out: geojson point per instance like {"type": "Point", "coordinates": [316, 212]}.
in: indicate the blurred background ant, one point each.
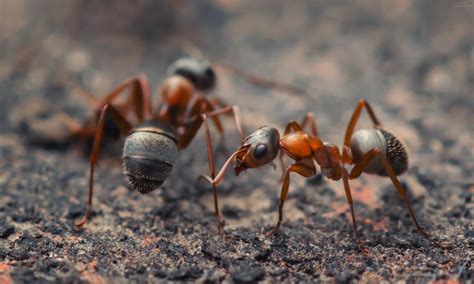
{"type": "Point", "coordinates": [155, 134]}
{"type": "Point", "coordinates": [46, 125]}
{"type": "Point", "coordinates": [373, 151]}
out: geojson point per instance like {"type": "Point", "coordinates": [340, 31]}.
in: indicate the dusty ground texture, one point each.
{"type": "Point", "coordinates": [412, 60]}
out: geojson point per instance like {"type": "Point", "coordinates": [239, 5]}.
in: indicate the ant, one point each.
{"type": "Point", "coordinates": [45, 125]}
{"type": "Point", "coordinates": [373, 151]}
{"type": "Point", "coordinates": [154, 135]}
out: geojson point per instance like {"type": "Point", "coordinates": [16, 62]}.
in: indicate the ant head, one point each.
{"type": "Point", "coordinates": [259, 148]}
{"type": "Point", "coordinates": [199, 72]}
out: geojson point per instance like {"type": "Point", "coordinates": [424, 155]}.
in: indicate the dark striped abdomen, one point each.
{"type": "Point", "coordinates": [149, 154]}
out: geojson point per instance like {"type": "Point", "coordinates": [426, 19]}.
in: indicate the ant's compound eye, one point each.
{"type": "Point", "coordinates": [260, 151]}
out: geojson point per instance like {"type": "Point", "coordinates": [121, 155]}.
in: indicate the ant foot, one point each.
{"type": "Point", "coordinates": [364, 251]}
{"type": "Point", "coordinates": [220, 227]}
{"type": "Point", "coordinates": [80, 224]}
{"type": "Point", "coordinates": [271, 233]}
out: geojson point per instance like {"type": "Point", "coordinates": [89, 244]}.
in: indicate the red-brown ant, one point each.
{"type": "Point", "coordinates": [373, 151]}
{"type": "Point", "coordinates": [154, 135]}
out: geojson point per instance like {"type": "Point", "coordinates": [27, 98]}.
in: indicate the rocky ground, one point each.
{"type": "Point", "coordinates": [412, 60]}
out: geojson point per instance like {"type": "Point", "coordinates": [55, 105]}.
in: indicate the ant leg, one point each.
{"type": "Point", "coordinates": [347, 189]}
{"type": "Point", "coordinates": [355, 117]}
{"type": "Point", "coordinates": [192, 50]}
{"type": "Point", "coordinates": [282, 164]}
{"type": "Point", "coordinates": [309, 119]}
{"type": "Point", "coordinates": [212, 168]}
{"type": "Point", "coordinates": [258, 81]}
{"type": "Point", "coordinates": [202, 105]}
{"type": "Point", "coordinates": [90, 99]}
{"type": "Point", "coordinates": [210, 156]}
{"type": "Point", "coordinates": [189, 134]}
{"type": "Point", "coordinates": [403, 194]}
{"type": "Point", "coordinates": [139, 97]}
{"type": "Point", "coordinates": [304, 167]}
{"type": "Point", "coordinates": [220, 174]}
{"type": "Point", "coordinates": [193, 125]}
{"type": "Point", "coordinates": [366, 159]}
{"type": "Point", "coordinates": [125, 127]}
{"type": "Point", "coordinates": [217, 103]}
{"type": "Point", "coordinates": [291, 126]}
{"type": "Point", "coordinates": [360, 166]}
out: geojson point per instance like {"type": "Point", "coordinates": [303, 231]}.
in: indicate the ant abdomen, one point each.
{"type": "Point", "coordinates": [149, 153]}
{"type": "Point", "coordinates": [365, 140]}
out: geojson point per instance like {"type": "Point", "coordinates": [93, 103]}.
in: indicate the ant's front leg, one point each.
{"type": "Point", "coordinates": [304, 167]}
{"type": "Point", "coordinates": [194, 120]}
{"type": "Point", "coordinates": [291, 126]}
{"type": "Point", "coordinates": [189, 133]}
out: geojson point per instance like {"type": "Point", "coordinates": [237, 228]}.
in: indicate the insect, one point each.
{"type": "Point", "coordinates": [154, 135]}
{"type": "Point", "coordinates": [373, 151]}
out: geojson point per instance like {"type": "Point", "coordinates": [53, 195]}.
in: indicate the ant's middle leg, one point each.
{"type": "Point", "coordinates": [139, 97]}
{"type": "Point", "coordinates": [125, 128]}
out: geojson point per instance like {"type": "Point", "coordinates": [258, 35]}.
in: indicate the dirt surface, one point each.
{"type": "Point", "coordinates": [412, 60]}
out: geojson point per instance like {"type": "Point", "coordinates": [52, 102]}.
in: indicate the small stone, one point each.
{"type": "Point", "coordinates": [247, 272]}
{"type": "Point", "coordinates": [6, 231]}
{"type": "Point", "coordinates": [19, 254]}
{"type": "Point", "coordinates": [345, 277]}
{"type": "Point", "coordinates": [441, 259]}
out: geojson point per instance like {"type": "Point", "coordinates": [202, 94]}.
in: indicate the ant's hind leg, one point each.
{"type": "Point", "coordinates": [365, 161]}
{"type": "Point", "coordinates": [353, 121]}
{"type": "Point", "coordinates": [403, 194]}
{"type": "Point", "coordinates": [125, 127]}
{"type": "Point", "coordinates": [139, 97]}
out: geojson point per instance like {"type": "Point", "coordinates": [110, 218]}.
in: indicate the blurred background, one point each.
{"type": "Point", "coordinates": [411, 60]}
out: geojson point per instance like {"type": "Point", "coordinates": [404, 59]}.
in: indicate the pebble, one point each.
{"type": "Point", "coordinates": [247, 272]}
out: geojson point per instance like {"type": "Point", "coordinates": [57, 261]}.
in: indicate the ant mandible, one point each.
{"type": "Point", "coordinates": [373, 151]}
{"type": "Point", "coordinates": [151, 146]}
